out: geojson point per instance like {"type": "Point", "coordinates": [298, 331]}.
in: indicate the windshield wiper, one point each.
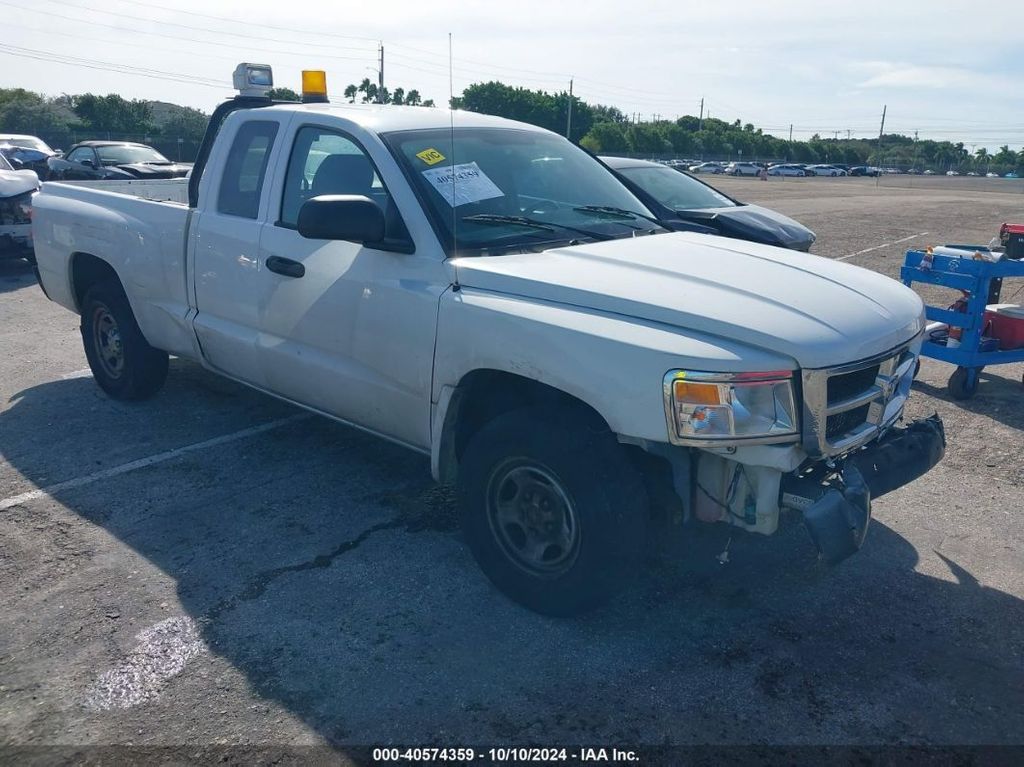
{"type": "Point", "coordinates": [610, 210]}
{"type": "Point", "coordinates": [532, 223]}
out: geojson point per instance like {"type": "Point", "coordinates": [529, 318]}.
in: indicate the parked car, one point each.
{"type": "Point", "coordinates": [1011, 174]}
{"type": "Point", "coordinates": [787, 169]}
{"type": "Point", "coordinates": [516, 315]}
{"type": "Point", "coordinates": [28, 142]}
{"type": "Point", "coordinates": [928, 172]}
{"type": "Point", "coordinates": [990, 174]}
{"type": "Point", "coordinates": [824, 170]}
{"type": "Point", "coordinates": [22, 157]}
{"type": "Point", "coordinates": [708, 167]}
{"type": "Point", "coordinates": [952, 173]}
{"type": "Point", "coordinates": [863, 170]}
{"type": "Point", "coordinates": [680, 201]}
{"type": "Point", "coordinates": [742, 169]}
{"type": "Point", "coordinates": [16, 190]}
{"type": "Point", "coordinates": [90, 160]}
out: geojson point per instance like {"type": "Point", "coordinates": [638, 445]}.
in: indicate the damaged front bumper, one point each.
{"type": "Point", "coordinates": [835, 497]}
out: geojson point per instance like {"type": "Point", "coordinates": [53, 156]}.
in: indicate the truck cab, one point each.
{"type": "Point", "coordinates": [485, 292]}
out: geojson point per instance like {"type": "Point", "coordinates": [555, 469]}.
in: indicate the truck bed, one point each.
{"type": "Point", "coordinates": [141, 238]}
{"type": "Point", "coordinates": [157, 190]}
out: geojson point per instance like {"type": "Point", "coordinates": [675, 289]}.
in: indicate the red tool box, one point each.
{"type": "Point", "coordinates": [1011, 236]}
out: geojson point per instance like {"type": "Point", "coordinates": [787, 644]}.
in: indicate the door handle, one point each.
{"type": "Point", "coordinates": [285, 266]}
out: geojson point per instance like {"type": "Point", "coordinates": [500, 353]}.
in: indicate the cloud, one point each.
{"type": "Point", "coordinates": [900, 75]}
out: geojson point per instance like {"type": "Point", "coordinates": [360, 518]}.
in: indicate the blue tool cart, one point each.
{"type": "Point", "coordinates": [982, 282]}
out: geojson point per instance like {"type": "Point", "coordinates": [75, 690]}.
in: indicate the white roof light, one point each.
{"type": "Point", "coordinates": [253, 79]}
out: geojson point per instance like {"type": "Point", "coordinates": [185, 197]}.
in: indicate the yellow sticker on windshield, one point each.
{"type": "Point", "coordinates": [430, 156]}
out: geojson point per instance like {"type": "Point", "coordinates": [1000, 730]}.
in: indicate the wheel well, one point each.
{"type": "Point", "coordinates": [86, 271]}
{"type": "Point", "coordinates": [482, 395]}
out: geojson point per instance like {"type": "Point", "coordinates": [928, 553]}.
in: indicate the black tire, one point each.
{"type": "Point", "coordinates": [124, 365]}
{"type": "Point", "coordinates": [958, 387]}
{"type": "Point", "coordinates": [566, 472]}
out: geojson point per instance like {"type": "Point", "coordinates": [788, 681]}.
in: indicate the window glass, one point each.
{"type": "Point", "coordinates": [246, 168]}
{"type": "Point", "coordinates": [481, 184]}
{"type": "Point", "coordinates": [324, 162]}
{"type": "Point", "coordinates": [124, 154]}
{"type": "Point", "coordinates": [675, 190]}
{"type": "Point", "coordinates": [82, 153]}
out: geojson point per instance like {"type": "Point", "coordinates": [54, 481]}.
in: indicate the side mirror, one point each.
{"type": "Point", "coordinates": [88, 163]}
{"type": "Point", "coordinates": [341, 217]}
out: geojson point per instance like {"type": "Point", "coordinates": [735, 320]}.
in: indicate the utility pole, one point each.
{"type": "Point", "coordinates": [380, 77]}
{"type": "Point", "coordinates": [791, 132]}
{"type": "Point", "coordinates": [568, 119]}
{"type": "Point", "coordinates": [700, 120]}
{"type": "Point", "coordinates": [881, 129]}
{"type": "Point", "coordinates": [847, 134]}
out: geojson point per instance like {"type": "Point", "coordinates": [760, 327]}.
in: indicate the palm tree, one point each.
{"type": "Point", "coordinates": [412, 98]}
{"type": "Point", "coordinates": [350, 93]}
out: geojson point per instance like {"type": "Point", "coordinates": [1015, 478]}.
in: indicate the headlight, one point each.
{"type": "Point", "coordinates": [730, 408]}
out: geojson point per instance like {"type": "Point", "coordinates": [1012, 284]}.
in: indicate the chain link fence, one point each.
{"type": "Point", "coordinates": [176, 148]}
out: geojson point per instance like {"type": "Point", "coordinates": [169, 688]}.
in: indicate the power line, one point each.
{"type": "Point", "coordinates": [38, 55]}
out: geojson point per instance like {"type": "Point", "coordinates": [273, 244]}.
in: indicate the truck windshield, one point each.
{"type": "Point", "coordinates": [126, 154]}
{"type": "Point", "coordinates": [503, 189]}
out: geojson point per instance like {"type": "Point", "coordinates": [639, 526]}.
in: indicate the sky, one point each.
{"type": "Point", "coordinates": [945, 69]}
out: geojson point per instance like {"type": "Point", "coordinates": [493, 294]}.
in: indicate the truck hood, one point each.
{"type": "Point", "coordinates": [815, 311]}
{"type": "Point", "coordinates": [15, 182]}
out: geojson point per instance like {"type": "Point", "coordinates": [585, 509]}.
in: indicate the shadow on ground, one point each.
{"type": "Point", "coordinates": [15, 273]}
{"type": "Point", "coordinates": [326, 568]}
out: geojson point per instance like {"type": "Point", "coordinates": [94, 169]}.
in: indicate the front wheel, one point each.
{"type": "Point", "coordinates": [123, 363]}
{"type": "Point", "coordinates": [552, 509]}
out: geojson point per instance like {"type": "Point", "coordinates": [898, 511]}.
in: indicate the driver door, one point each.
{"type": "Point", "coordinates": [344, 327]}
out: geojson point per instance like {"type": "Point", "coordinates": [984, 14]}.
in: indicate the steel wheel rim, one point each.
{"type": "Point", "coordinates": [107, 341]}
{"type": "Point", "coordinates": [532, 518]}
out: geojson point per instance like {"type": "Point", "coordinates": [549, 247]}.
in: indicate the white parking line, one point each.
{"type": "Point", "coordinates": [141, 463]}
{"type": "Point", "coordinates": [83, 373]}
{"type": "Point", "coordinates": [879, 247]}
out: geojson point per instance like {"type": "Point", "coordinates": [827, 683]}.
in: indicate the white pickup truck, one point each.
{"type": "Point", "coordinates": [485, 292]}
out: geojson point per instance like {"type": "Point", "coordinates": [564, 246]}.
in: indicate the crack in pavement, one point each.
{"type": "Point", "coordinates": [261, 583]}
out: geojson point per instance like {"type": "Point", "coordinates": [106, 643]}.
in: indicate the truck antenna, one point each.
{"type": "Point", "coordinates": [451, 123]}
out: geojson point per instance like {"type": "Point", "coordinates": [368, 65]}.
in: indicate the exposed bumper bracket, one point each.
{"type": "Point", "coordinates": [836, 503]}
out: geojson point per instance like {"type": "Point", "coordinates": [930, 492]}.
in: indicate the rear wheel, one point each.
{"type": "Point", "coordinates": [552, 509]}
{"type": "Point", "coordinates": [123, 363]}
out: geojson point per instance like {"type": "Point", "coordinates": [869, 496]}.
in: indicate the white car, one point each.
{"type": "Point", "coordinates": [952, 173]}
{"type": "Point", "coordinates": [742, 169]}
{"type": "Point", "coordinates": [825, 170]}
{"type": "Point", "coordinates": [515, 314]}
{"type": "Point", "coordinates": [707, 167]}
{"type": "Point", "coordinates": [16, 190]}
{"type": "Point", "coordinates": [786, 170]}
{"type": "Point", "coordinates": [29, 142]}
{"type": "Point", "coordinates": [990, 174]}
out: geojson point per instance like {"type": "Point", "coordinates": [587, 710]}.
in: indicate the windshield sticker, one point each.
{"type": "Point", "coordinates": [430, 156]}
{"type": "Point", "coordinates": [462, 184]}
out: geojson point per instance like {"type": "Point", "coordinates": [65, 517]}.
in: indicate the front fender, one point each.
{"type": "Point", "coordinates": [613, 363]}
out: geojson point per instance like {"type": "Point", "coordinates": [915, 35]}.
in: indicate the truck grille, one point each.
{"type": "Point", "coordinates": [846, 406]}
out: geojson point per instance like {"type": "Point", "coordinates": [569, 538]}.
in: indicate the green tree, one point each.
{"type": "Point", "coordinates": [283, 94]}
{"type": "Point", "coordinates": [113, 114]}
{"type": "Point", "coordinates": [351, 91]}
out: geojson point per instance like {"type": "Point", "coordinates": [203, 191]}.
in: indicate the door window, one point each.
{"type": "Point", "coordinates": [246, 168]}
{"type": "Point", "coordinates": [82, 153]}
{"type": "Point", "coordinates": [325, 162]}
